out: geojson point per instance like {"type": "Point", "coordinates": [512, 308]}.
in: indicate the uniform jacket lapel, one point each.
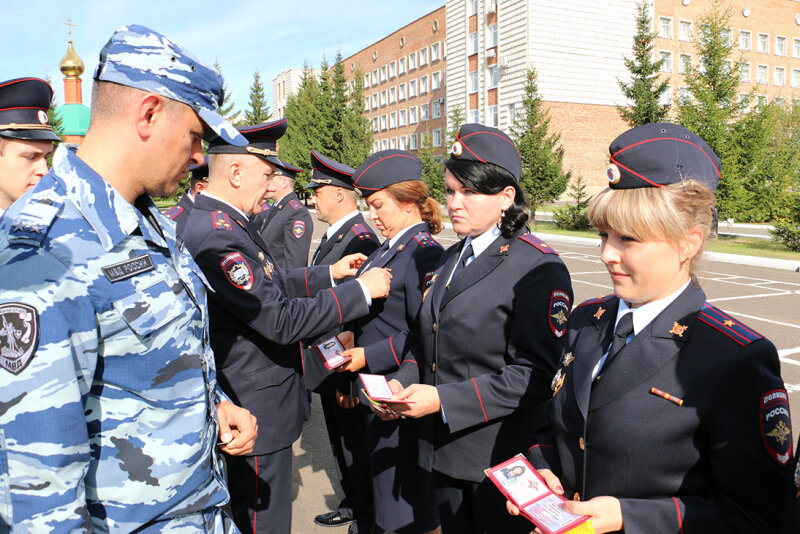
{"type": "Point", "coordinates": [448, 263]}
{"type": "Point", "coordinates": [589, 348]}
{"type": "Point", "coordinates": [478, 269]}
{"type": "Point", "coordinates": [657, 344]}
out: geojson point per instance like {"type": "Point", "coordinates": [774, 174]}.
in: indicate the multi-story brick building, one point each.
{"type": "Point", "coordinates": [404, 84]}
{"type": "Point", "coordinates": [284, 85]}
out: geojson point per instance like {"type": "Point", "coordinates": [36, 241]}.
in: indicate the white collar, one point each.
{"type": "Point", "coordinates": [332, 229]}
{"type": "Point", "coordinates": [400, 234]}
{"type": "Point", "coordinates": [644, 315]}
{"type": "Point", "coordinates": [482, 242]}
{"type": "Point", "coordinates": [209, 195]}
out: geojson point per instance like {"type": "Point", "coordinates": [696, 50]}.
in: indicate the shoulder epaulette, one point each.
{"type": "Point", "coordinates": [426, 240]}
{"type": "Point", "coordinates": [721, 321]}
{"type": "Point", "coordinates": [33, 221]}
{"type": "Point", "coordinates": [295, 204]}
{"type": "Point", "coordinates": [361, 232]}
{"type": "Point", "coordinates": [173, 212]}
{"type": "Point", "coordinates": [596, 300]}
{"type": "Point", "coordinates": [221, 221]}
{"type": "Point", "coordinates": [538, 243]}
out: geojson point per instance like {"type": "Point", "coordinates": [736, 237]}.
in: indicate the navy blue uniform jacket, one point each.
{"type": "Point", "coordinates": [490, 342]}
{"type": "Point", "coordinates": [791, 520]}
{"type": "Point", "coordinates": [179, 213]}
{"type": "Point", "coordinates": [255, 324]}
{"type": "Point", "coordinates": [683, 426]}
{"type": "Point", "coordinates": [286, 229]}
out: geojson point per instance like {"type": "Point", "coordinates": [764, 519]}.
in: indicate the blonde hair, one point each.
{"type": "Point", "coordinates": [416, 192]}
{"type": "Point", "coordinates": [666, 213]}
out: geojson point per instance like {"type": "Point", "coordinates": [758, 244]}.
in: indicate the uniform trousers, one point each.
{"type": "Point", "coordinates": [475, 508]}
{"type": "Point", "coordinates": [261, 492]}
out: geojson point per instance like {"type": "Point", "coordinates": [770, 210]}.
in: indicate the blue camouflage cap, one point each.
{"type": "Point", "coordinates": [139, 57]}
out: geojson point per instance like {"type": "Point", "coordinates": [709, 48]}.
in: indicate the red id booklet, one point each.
{"type": "Point", "coordinates": [331, 351]}
{"type": "Point", "coordinates": [521, 484]}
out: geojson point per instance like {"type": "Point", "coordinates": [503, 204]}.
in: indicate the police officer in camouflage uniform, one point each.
{"type": "Point", "coordinates": [111, 415]}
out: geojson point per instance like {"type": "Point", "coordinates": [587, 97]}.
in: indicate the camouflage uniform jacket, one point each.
{"type": "Point", "coordinates": [108, 389]}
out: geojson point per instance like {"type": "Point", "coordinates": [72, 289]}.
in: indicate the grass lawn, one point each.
{"type": "Point", "coordinates": [747, 246]}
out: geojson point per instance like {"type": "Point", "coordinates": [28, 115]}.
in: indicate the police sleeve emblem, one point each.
{"type": "Point", "coordinates": [19, 335]}
{"type": "Point", "coordinates": [237, 270]}
{"type": "Point", "coordinates": [298, 229]}
{"type": "Point", "coordinates": [776, 426]}
{"type": "Point", "coordinates": [559, 312]}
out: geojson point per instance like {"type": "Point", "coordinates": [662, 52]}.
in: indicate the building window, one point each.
{"type": "Point", "coordinates": [744, 101]}
{"type": "Point", "coordinates": [436, 81]}
{"type": "Point", "coordinates": [473, 44]}
{"type": "Point", "coordinates": [392, 69]}
{"type": "Point", "coordinates": [493, 76]}
{"type": "Point", "coordinates": [423, 112]}
{"type": "Point", "coordinates": [366, 81]}
{"type": "Point", "coordinates": [401, 91]}
{"type": "Point", "coordinates": [666, 61]}
{"type": "Point", "coordinates": [412, 115]}
{"type": "Point", "coordinates": [412, 88]}
{"type": "Point", "coordinates": [473, 7]}
{"type": "Point", "coordinates": [375, 127]}
{"type": "Point", "coordinates": [393, 120]}
{"type": "Point", "coordinates": [744, 72]}
{"type": "Point", "coordinates": [383, 122]}
{"type": "Point", "coordinates": [512, 113]}
{"type": "Point", "coordinates": [795, 77]}
{"type": "Point", "coordinates": [366, 105]}
{"type": "Point", "coordinates": [383, 97]}
{"type": "Point", "coordinates": [412, 61]}
{"type": "Point", "coordinates": [437, 137]}
{"type": "Point", "coordinates": [763, 74]}
{"type": "Point", "coordinates": [494, 116]}
{"type": "Point", "coordinates": [412, 142]}
{"type": "Point", "coordinates": [423, 85]}
{"type": "Point", "coordinates": [384, 144]}
{"type": "Point", "coordinates": [392, 95]}
{"type": "Point", "coordinates": [375, 146]}
{"type": "Point", "coordinates": [685, 64]}
{"type": "Point", "coordinates": [763, 43]}
{"type": "Point", "coordinates": [383, 73]}
{"type": "Point", "coordinates": [665, 27]}
{"type": "Point", "coordinates": [474, 116]}
{"type": "Point", "coordinates": [437, 109]}
{"type": "Point", "coordinates": [780, 76]}
{"type": "Point", "coordinates": [685, 30]}
{"type": "Point", "coordinates": [423, 56]}
{"type": "Point", "coordinates": [473, 81]}
{"type": "Point", "coordinates": [403, 142]}
{"type": "Point", "coordinates": [436, 53]}
{"type": "Point", "coordinates": [762, 100]}
{"type": "Point", "coordinates": [796, 48]}
{"type": "Point", "coordinates": [727, 37]}
{"type": "Point", "coordinates": [393, 143]}
{"type": "Point", "coordinates": [666, 97]}
{"type": "Point", "coordinates": [374, 100]}
{"type": "Point", "coordinates": [375, 77]}
{"type": "Point", "coordinates": [401, 66]}
{"type": "Point", "coordinates": [685, 95]}
{"type": "Point", "coordinates": [491, 36]}
{"type": "Point", "coordinates": [727, 65]}
{"type": "Point", "coordinates": [745, 42]}
{"type": "Point", "coordinates": [780, 101]}
{"type": "Point", "coordinates": [401, 120]}
{"type": "Point", "coordinates": [780, 46]}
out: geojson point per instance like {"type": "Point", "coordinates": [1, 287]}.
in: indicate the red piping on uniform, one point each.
{"type": "Point", "coordinates": [302, 358]}
{"type": "Point", "coordinates": [305, 273]}
{"type": "Point", "coordinates": [678, 509]}
{"type": "Point", "coordinates": [21, 107]}
{"type": "Point", "coordinates": [489, 133]}
{"type": "Point", "coordinates": [730, 333]}
{"type": "Point", "coordinates": [635, 173]}
{"type": "Point", "coordinates": [698, 147]}
{"type": "Point", "coordinates": [26, 80]}
{"type": "Point", "coordinates": [255, 503]}
{"type": "Point", "coordinates": [391, 346]}
{"type": "Point", "coordinates": [372, 530]}
{"type": "Point", "coordinates": [538, 445]}
{"type": "Point", "coordinates": [410, 360]}
{"type": "Point", "coordinates": [473, 153]}
{"type": "Point", "coordinates": [337, 305]}
{"type": "Point", "coordinates": [480, 399]}
{"type": "Point", "coordinates": [355, 182]}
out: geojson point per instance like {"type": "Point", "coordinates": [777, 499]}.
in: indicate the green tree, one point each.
{"type": "Point", "coordinates": [644, 89]}
{"type": "Point", "coordinates": [303, 134]}
{"type": "Point", "coordinates": [573, 216]}
{"type": "Point", "coordinates": [455, 119]}
{"type": "Point", "coordinates": [55, 121]}
{"type": "Point", "coordinates": [226, 109]}
{"type": "Point", "coordinates": [357, 135]}
{"type": "Point", "coordinates": [543, 178]}
{"type": "Point", "coordinates": [258, 109]}
{"type": "Point", "coordinates": [432, 169]}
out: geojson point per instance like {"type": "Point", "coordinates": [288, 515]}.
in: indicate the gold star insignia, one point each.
{"type": "Point", "coordinates": [678, 329]}
{"type": "Point", "coordinates": [599, 313]}
{"type": "Point", "coordinates": [781, 432]}
{"type": "Point", "coordinates": [567, 359]}
{"type": "Point", "coordinates": [729, 323]}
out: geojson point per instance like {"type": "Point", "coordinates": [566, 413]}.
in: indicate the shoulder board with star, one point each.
{"type": "Point", "coordinates": [426, 240]}
{"type": "Point", "coordinates": [221, 221]}
{"type": "Point", "coordinates": [596, 300]}
{"type": "Point", "coordinates": [295, 204]}
{"type": "Point", "coordinates": [722, 322]}
{"type": "Point", "coordinates": [361, 232]}
{"type": "Point", "coordinates": [33, 221]}
{"type": "Point", "coordinates": [537, 243]}
{"type": "Point", "coordinates": [173, 212]}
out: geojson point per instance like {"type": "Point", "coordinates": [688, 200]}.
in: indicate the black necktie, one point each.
{"type": "Point", "coordinates": [624, 329]}
{"type": "Point", "coordinates": [321, 244]}
{"type": "Point", "coordinates": [462, 262]}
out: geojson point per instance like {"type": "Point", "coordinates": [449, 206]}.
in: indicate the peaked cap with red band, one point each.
{"type": "Point", "coordinates": [385, 168]}
{"type": "Point", "coordinates": [659, 154]}
{"type": "Point", "coordinates": [476, 142]}
{"type": "Point", "coordinates": [23, 109]}
{"type": "Point", "coordinates": [329, 172]}
{"type": "Point", "coordinates": [285, 169]}
{"type": "Point", "coordinates": [262, 141]}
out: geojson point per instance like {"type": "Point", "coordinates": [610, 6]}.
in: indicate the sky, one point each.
{"type": "Point", "coordinates": [243, 36]}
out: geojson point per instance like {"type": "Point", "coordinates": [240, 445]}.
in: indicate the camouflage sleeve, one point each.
{"type": "Point", "coordinates": [48, 353]}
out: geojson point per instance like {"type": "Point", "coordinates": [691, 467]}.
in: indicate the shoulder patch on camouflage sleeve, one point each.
{"type": "Point", "coordinates": [722, 322]}
{"type": "Point", "coordinates": [295, 204]}
{"type": "Point", "coordinates": [19, 335]}
{"type": "Point", "coordinates": [173, 212]}
{"type": "Point", "coordinates": [221, 221]}
{"type": "Point", "coordinates": [776, 425]}
{"type": "Point", "coordinates": [537, 243]}
{"type": "Point", "coordinates": [426, 240]}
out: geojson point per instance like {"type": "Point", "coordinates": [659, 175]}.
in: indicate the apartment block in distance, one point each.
{"type": "Point", "coordinates": [284, 85]}
{"type": "Point", "coordinates": [404, 84]}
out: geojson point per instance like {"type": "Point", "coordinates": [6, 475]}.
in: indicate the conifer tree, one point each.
{"type": "Point", "coordinates": [226, 109]}
{"type": "Point", "coordinates": [258, 109]}
{"type": "Point", "coordinates": [543, 178]}
{"type": "Point", "coordinates": [455, 119]}
{"type": "Point", "coordinates": [53, 118]}
{"type": "Point", "coordinates": [357, 137]}
{"type": "Point", "coordinates": [644, 90]}
{"type": "Point", "coordinates": [304, 133]}
{"type": "Point", "coordinates": [432, 169]}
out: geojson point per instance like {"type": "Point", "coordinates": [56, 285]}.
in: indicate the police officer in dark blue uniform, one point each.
{"type": "Point", "coordinates": [286, 226]}
{"type": "Point", "coordinates": [668, 415]}
{"type": "Point", "coordinates": [335, 200]}
{"type": "Point", "coordinates": [179, 213]}
{"type": "Point", "coordinates": [791, 519]}
{"type": "Point", "coordinates": [491, 331]}
{"type": "Point", "coordinates": [256, 326]}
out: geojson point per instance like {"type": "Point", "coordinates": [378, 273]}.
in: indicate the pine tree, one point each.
{"type": "Point", "coordinates": [543, 179]}
{"type": "Point", "coordinates": [226, 108]}
{"type": "Point", "coordinates": [455, 119]}
{"type": "Point", "coordinates": [644, 90]}
{"type": "Point", "coordinates": [326, 125]}
{"type": "Point", "coordinates": [357, 137]}
{"type": "Point", "coordinates": [53, 118]}
{"type": "Point", "coordinates": [303, 134]}
{"type": "Point", "coordinates": [258, 110]}
{"type": "Point", "coordinates": [432, 169]}
{"type": "Point", "coordinates": [338, 110]}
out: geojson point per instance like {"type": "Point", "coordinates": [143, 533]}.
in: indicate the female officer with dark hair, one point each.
{"type": "Point", "coordinates": [490, 334]}
{"type": "Point", "coordinates": [668, 414]}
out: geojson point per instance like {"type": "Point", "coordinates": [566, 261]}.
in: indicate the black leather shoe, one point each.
{"type": "Point", "coordinates": [332, 519]}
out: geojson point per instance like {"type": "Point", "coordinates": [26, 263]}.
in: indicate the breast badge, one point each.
{"type": "Point", "coordinates": [237, 270]}
{"type": "Point", "coordinates": [430, 278]}
{"type": "Point", "coordinates": [19, 335]}
{"type": "Point", "coordinates": [558, 381]}
{"type": "Point", "coordinates": [567, 359]}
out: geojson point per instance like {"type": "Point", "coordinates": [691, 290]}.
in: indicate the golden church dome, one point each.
{"type": "Point", "coordinates": [71, 65]}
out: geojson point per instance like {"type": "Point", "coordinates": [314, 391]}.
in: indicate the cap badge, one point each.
{"type": "Point", "coordinates": [613, 174]}
{"type": "Point", "coordinates": [42, 117]}
{"type": "Point", "coordinates": [457, 149]}
{"type": "Point", "coordinates": [358, 191]}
